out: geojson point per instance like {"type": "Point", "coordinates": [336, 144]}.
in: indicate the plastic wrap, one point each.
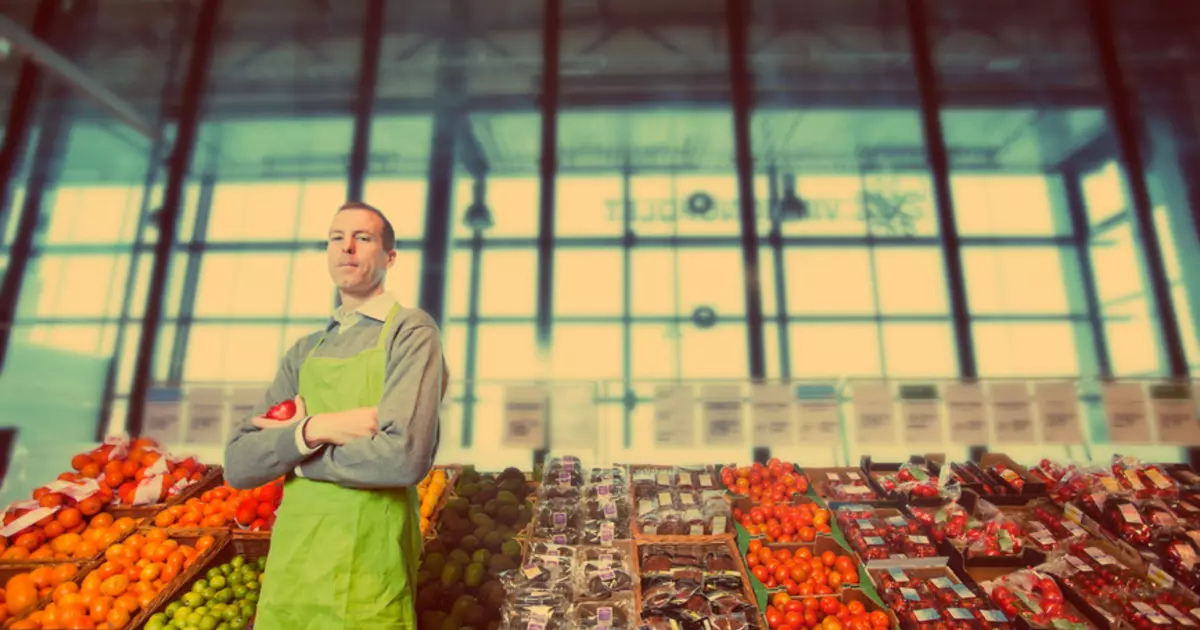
{"type": "Point", "coordinates": [1035, 597]}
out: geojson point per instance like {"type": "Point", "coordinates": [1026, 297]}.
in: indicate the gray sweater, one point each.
{"type": "Point", "coordinates": [400, 455]}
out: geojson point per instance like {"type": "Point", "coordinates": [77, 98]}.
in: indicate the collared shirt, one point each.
{"type": "Point", "coordinates": [376, 308]}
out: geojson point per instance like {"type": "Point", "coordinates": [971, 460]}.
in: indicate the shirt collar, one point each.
{"type": "Point", "coordinates": [376, 308]}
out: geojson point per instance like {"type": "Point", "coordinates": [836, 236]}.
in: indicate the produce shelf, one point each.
{"type": "Point", "coordinates": [184, 536]}
{"type": "Point", "coordinates": [212, 478]}
{"type": "Point", "coordinates": [11, 570]}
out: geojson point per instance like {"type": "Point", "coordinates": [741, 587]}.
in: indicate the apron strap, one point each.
{"type": "Point", "coordinates": [387, 326]}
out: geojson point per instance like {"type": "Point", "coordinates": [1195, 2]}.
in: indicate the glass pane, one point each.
{"type": "Point", "coordinates": [717, 352]}
{"type": "Point", "coordinates": [403, 279]}
{"type": "Point", "coordinates": [1104, 193]}
{"type": "Point", "coordinates": [402, 201]}
{"type": "Point", "coordinates": [910, 281]}
{"type": "Point", "coordinates": [127, 362]}
{"type": "Point", "coordinates": [254, 212]}
{"type": "Point", "coordinates": [454, 349]}
{"type": "Point", "coordinates": [1116, 261]}
{"type": "Point", "coordinates": [248, 354]}
{"type": "Point", "coordinates": [458, 283]}
{"type": "Point", "coordinates": [919, 351]}
{"type": "Point", "coordinates": [310, 290]}
{"type": "Point", "coordinates": [92, 214]}
{"type": "Point", "coordinates": [588, 282]}
{"type": "Point", "coordinates": [245, 285]}
{"type": "Point", "coordinates": [588, 206]}
{"type": "Point", "coordinates": [587, 352]}
{"type": "Point", "coordinates": [676, 281]}
{"type": "Point", "coordinates": [655, 349]}
{"type": "Point", "coordinates": [684, 205]}
{"type": "Point", "coordinates": [507, 352]}
{"type": "Point", "coordinates": [513, 201]}
{"type": "Point", "coordinates": [857, 160]}
{"type": "Point", "coordinates": [825, 281]}
{"type": "Point", "coordinates": [72, 286]}
{"type": "Point", "coordinates": [137, 305]}
{"type": "Point", "coordinates": [835, 350]}
{"type": "Point", "coordinates": [1015, 280]}
{"type": "Point", "coordinates": [1133, 341]}
{"type": "Point", "coordinates": [1004, 204]}
{"type": "Point", "coordinates": [1044, 349]}
{"type": "Point", "coordinates": [318, 200]}
{"type": "Point", "coordinates": [508, 283]}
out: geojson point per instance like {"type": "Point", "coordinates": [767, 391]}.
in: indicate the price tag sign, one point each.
{"type": "Point", "coordinates": [1012, 413]}
{"type": "Point", "coordinates": [875, 422]}
{"type": "Point", "coordinates": [674, 416]}
{"type": "Point", "coordinates": [164, 407]}
{"type": "Point", "coordinates": [573, 416]}
{"type": "Point", "coordinates": [968, 419]}
{"type": "Point", "coordinates": [1058, 406]}
{"type": "Point", "coordinates": [818, 415]}
{"type": "Point", "coordinates": [722, 415]}
{"type": "Point", "coordinates": [773, 424]}
{"type": "Point", "coordinates": [525, 417]}
{"type": "Point", "coordinates": [206, 415]}
{"type": "Point", "coordinates": [1175, 414]}
{"type": "Point", "coordinates": [1125, 409]}
{"type": "Point", "coordinates": [242, 401]}
{"type": "Point", "coordinates": [922, 413]}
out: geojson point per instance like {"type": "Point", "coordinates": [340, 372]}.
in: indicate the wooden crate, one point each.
{"type": "Point", "coordinates": [211, 479]}
{"type": "Point", "coordinates": [729, 545]}
{"type": "Point", "coordinates": [11, 570]}
{"type": "Point", "coordinates": [188, 537]}
{"type": "Point", "coordinates": [52, 561]}
{"type": "Point", "coordinates": [221, 553]}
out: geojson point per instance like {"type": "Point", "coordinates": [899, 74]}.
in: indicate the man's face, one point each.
{"type": "Point", "coordinates": [358, 262]}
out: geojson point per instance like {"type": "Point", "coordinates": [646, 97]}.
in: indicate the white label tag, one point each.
{"type": "Point", "coordinates": [525, 417]}
{"type": "Point", "coordinates": [30, 518]}
{"type": "Point", "coordinates": [1125, 408]}
{"type": "Point", "coordinates": [723, 414]}
{"type": "Point", "coordinates": [773, 419]}
{"type": "Point", "coordinates": [674, 416]}
{"type": "Point", "coordinates": [873, 406]}
{"type": "Point", "coordinates": [1012, 412]}
{"type": "Point", "coordinates": [968, 419]}
{"type": "Point", "coordinates": [1058, 406]}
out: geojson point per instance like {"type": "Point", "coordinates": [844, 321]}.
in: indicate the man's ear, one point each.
{"type": "Point", "coordinates": [391, 259]}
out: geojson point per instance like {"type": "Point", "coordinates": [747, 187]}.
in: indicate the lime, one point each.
{"type": "Point", "coordinates": [194, 619]}
{"type": "Point", "coordinates": [171, 608]}
{"type": "Point", "coordinates": [181, 614]}
{"type": "Point", "coordinates": [192, 600]}
{"type": "Point", "coordinates": [213, 572]}
{"type": "Point", "coordinates": [199, 586]}
{"type": "Point", "coordinates": [239, 592]}
{"type": "Point", "coordinates": [237, 623]}
{"type": "Point", "coordinates": [252, 585]}
{"type": "Point", "coordinates": [218, 582]}
{"type": "Point", "coordinates": [208, 623]}
{"type": "Point", "coordinates": [156, 622]}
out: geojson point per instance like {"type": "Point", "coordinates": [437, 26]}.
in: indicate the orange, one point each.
{"type": "Point", "coordinates": [115, 586]}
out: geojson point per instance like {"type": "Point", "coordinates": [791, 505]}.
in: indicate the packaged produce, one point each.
{"type": "Point", "coordinates": [600, 574]}
{"type": "Point", "coordinates": [685, 586]}
{"type": "Point", "coordinates": [1035, 597]}
{"type": "Point", "coordinates": [558, 520]}
{"type": "Point", "coordinates": [614, 614]}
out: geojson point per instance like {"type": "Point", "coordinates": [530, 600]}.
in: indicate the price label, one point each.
{"type": "Point", "coordinates": [1012, 413]}
{"type": "Point", "coordinates": [525, 417]}
{"type": "Point", "coordinates": [1125, 409]}
{"type": "Point", "coordinates": [818, 417]}
{"type": "Point", "coordinates": [1160, 577]}
{"type": "Point", "coordinates": [968, 420]}
{"type": "Point", "coordinates": [1058, 405]}
{"type": "Point", "coordinates": [875, 423]}
{"type": "Point", "coordinates": [1175, 414]}
{"type": "Point", "coordinates": [773, 425]}
{"type": "Point", "coordinates": [164, 408]}
{"type": "Point", "coordinates": [674, 415]}
{"type": "Point", "coordinates": [723, 415]}
{"type": "Point", "coordinates": [922, 420]}
{"type": "Point", "coordinates": [206, 415]}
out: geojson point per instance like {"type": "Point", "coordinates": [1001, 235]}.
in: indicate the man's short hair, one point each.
{"type": "Point", "coordinates": [389, 233]}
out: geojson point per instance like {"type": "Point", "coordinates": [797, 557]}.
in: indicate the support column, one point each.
{"type": "Point", "coordinates": [548, 173]}
{"type": "Point", "coordinates": [742, 84]}
{"type": "Point", "coordinates": [21, 114]}
{"type": "Point", "coordinates": [168, 217]}
{"type": "Point", "coordinates": [1133, 165]}
{"type": "Point", "coordinates": [448, 117]}
{"type": "Point", "coordinates": [368, 73]}
{"type": "Point", "coordinates": [191, 279]}
{"type": "Point", "coordinates": [71, 35]}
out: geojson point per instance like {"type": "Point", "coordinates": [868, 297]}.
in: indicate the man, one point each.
{"type": "Point", "coordinates": [347, 540]}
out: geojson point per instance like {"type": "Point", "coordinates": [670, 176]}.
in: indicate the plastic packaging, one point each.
{"type": "Point", "coordinates": [614, 614]}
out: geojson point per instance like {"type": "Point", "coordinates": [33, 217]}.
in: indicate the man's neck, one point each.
{"type": "Point", "coordinates": [351, 302]}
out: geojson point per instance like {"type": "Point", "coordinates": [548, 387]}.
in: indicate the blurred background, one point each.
{"type": "Point", "coordinates": [606, 193]}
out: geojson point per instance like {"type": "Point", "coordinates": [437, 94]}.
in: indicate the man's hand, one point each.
{"type": "Point", "coordinates": [340, 427]}
{"type": "Point", "coordinates": [264, 422]}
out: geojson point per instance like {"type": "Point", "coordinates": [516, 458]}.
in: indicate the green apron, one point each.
{"type": "Point", "coordinates": [342, 558]}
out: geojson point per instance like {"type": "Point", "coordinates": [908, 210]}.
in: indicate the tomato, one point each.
{"type": "Point", "coordinates": [855, 607]}
{"type": "Point", "coordinates": [753, 547]}
{"type": "Point", "coordinates": [834, 580]}
{"type": "Point", "coordinates": [831, 623]}
{"type": "Point", "coordinates": [774, 618]}
{"type": "Point", "coordinates": [828, 558]}
{"type": "Point", "coordinates": [843, 564]}
{"type": "Point", "coordinates": [780, 600]}
{"type": "Point", "coordinates": [760, 572]}
{"type": "Point", "coordinates": [830, 605]}
{"type": "Point", "coordinates": [799, 572]}
{"type": "Point", "coordinates": [795, 605]}
{"type": "Point", "coordinates": [879, 619]}
{"type": "Point", "coordinates": [282, 411]}
{"type": "Point", "coordinates": [793, 618]}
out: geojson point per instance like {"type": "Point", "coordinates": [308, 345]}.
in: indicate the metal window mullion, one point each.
{"type": "Point", "coordinates": [191, 281]}
{"type": "Point", "coordinates": [368, 73]}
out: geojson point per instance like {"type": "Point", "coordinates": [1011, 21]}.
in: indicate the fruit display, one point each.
{"type": "Point", "coordinates": [783, 522]}
{"type": "Point", "coordinates": [801, 571]}
{"type": "Point", "coordinates": [777, 480]}
{"type": "Point", "coordinates": [225, 506]}
{"type": "Point", "coordinates": [476, 542]}
{"type": "Point", "coordinates": [62, 536]}
{"type": "Point", "coordinates": [23, 591]}
{"type": "Point", "coordinates": [136, 472]}
{"type": "Point", "coordinates": [911, 480]}
{"type": "Point", "coordinates": [882, 534]}
{"type": "Point", "coordinates": [670, 502]}
{"type": "Point", "coordinates": [1035, 597]}
{"type": "Point", "coordinates": [223, 598]}
{"type": "Point", "coordinates": [132, 574]}
{"type": "Point", "coordinates": [687, 585]}
{"type": "Point", "coordinates": [936, 595]}
{"type": "Point", "coordinates": [847, 485]}
{"type": "Point", "coordinates": [430, 491]}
